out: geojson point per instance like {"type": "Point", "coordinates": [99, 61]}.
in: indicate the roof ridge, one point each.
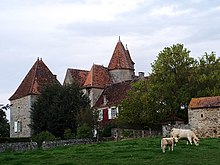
{"type": "Point", "coordinates": [35, 70]}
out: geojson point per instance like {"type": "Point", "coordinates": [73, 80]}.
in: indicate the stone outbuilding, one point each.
{"type": "Point", "coordinates": [204, 116]}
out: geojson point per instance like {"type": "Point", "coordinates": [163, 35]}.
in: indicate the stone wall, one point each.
{"type": "Point", "coordinates": [205, 121]}
{"type": "Point", "coordinates": [25, 146]}
{"type": "Point", "coordinates": [121, 75]}
{"type": "Point", "coordinates": [20, 112]}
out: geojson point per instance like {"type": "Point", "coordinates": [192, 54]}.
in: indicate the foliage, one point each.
{"type": "Point", "coordinates": [4, 125]}
{"type": "Point", "coordinates": [206, 76]}
{"type": "Point", "coordinates": [170, 80]}
{"type": "Point", "coordinates": [84, 131]}
{"type": "Point", "coordinates": [86, 116]}
{"type": "Point", "coordinates": [43, 136]}
{"type": "Point", "coordinates": [175, 79]}
{"type": "Point", "coordinates": [106, 128]}
{"type": "Point", "coordinates": [134, 109]}
{"type": "Point", "coordinates": [127, 152]}
{"type": "Point", "coordinates": [68, 134]}
{"type": "Point", "coordinates": [56, 109]}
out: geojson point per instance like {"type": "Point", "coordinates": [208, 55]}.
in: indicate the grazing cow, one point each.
{"type": "Point", "coordinates": [168, 142]}
{"type": "Point", "coordinates": [187, 134]}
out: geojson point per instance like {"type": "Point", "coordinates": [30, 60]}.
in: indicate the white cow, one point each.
{"type": "Point", "coordinates": [168, 142]}
{"type": "Point", "coordinates": [187, 134]}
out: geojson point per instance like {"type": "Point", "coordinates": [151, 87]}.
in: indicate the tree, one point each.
{"type": "Point", "coordinates": [175, 79]}
{"type": "Point", "coordinates": [4, 125]}
{"type": "Point", "coordinates": [206, 76]}
{"type": "Point", "coordinates": [56, 109]}
{"type": "Point", "coordinates": [134, 109]}
{"type": "Point", "coordinates": [169, 86]}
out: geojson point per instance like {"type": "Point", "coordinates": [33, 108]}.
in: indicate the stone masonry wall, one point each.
{"type": "Point", "coordinates": [121, 75]}
{"type": "Point", "coordinates": [20, 112]}
{"type": "Point", "coordinates": [26, 146]}
{"type": "Point", "coordinates": [205, 121]}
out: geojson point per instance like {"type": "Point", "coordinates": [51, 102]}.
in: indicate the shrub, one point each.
{"type": "Point", "coordinates": [84, 131]}
{"type": "Point", "coordinates": [107, 130]}
{"type": "Point", "coordinates": [43, 136]}
{"type": "Point", "coordinates": [68, 134]}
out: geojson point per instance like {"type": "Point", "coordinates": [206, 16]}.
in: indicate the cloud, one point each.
{"type": "Point", "coordinates": [171, 10]}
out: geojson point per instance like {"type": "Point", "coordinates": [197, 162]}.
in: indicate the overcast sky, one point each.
{"type": "Point", "coordinates": [79, 33]}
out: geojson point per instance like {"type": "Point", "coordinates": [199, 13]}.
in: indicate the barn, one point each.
{"type": "Point", "coordinates": [204, 116]}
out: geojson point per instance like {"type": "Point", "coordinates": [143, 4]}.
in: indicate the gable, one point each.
{"type": "Point", "coordinates": [98, 77]}
{"type": "Point", "coordinates": [76, 75]}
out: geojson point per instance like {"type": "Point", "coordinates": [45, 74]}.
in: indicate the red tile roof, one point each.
{"type": "Point", "coordinates": [98, 77]}
{"type": "Point", "coordinates": [38, 76]}
{"type": "Point", "coordinates": [121, 58]}
{"type": "Point", "coordinates": [79, 76]}
{"type": "Point", "coordinates": [114, 94]}
{"type": "Point", "coordinates": [204, 102]}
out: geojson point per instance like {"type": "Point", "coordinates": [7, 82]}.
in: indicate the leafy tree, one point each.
{"type": "Point", "coordinates": [56, 109]}
{"type": "Point", "coordinates": [133, 107]}
{"type": "Point", "coordinates": [206, 76]}
{"type": "Point", "coordinates": [170, 81]}
{"type": "Point", "coordinates": [4, 125]}
{"type": "Point", "coordinates": [175, 79]}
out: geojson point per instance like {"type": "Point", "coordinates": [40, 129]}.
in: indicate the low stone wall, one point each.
{"type": "Point", "coordinates": [19, 146]}
{"type": "Point", "coordinates": [25, 146]}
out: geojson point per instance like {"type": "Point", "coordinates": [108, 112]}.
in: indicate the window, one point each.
{"type": "Point", "coordinates": [100, 115]}
{"type": "Point", "coordinates": [17, 126]}
{"type": "Point", "coordinates": [112, 113]}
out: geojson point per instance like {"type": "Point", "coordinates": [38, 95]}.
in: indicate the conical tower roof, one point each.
{"type": "Point", "coordinates": [38, 76]}
{"type": "Point", "coordinates": [121, 58]}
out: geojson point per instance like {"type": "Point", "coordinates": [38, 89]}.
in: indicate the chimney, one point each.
{"type": "Point", "coordinates": [105, 101]}
{"type": "Point", "coordinates": [141, 75]}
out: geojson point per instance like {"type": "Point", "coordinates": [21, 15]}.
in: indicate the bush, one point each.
{"type": "Point", "coordinates": [84, 131]}
{"type": "Point", "coordinates": [68, 134]}
{"type": "Point", "coordinates": [107, 130]}
{"type": "Point", "coordinates": [43, 136]}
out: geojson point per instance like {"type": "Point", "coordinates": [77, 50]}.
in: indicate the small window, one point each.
{"type": "Point", "coordinates": [100, 115]}
{"type": "Point", "coordinates": [201, 115]}
{"type": "Point", "coordinates": [112, 113]}
{"type": "Point", "coordinates": [17, 126]}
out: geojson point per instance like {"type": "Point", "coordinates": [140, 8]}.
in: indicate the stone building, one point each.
{"type": "Point", "coordinates": [204, 116]}
{"type": "Point", "coordinates": [107, 86]}
{"type": "Point", "coordinates": [25, 95]}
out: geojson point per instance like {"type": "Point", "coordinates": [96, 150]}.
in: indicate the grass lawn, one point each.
{"type": "Point", "coordinates": [138, 151]}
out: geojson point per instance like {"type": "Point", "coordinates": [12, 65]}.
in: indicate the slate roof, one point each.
{"type": "Point", "coordinates": [79, 76]}
{"type": "Point", "coordinates": [98, 77]}
{"type": "Point", "coordinates": [37, 77]}
{"type": "Point", "coordinates": [114, 94]}
{"type": "Point", "coordinates": [121, 58]}
{"type": "Point", "coordinates": [204, 102]}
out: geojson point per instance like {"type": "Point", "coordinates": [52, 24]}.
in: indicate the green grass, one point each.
{"type": "Point", "coordinates": [138, 151]}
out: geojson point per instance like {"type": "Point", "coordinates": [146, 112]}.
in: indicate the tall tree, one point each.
{"type": "Point", "coordinates": [56, 109]}
{"type": "Point", "coordinates": [170, 81]}
{"type": "Point", "coordinates": [4, 125]}
{"type": "Point", "coordinates": [206, 76]}
{"type": "Point", "coordinates": [135, 110]}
